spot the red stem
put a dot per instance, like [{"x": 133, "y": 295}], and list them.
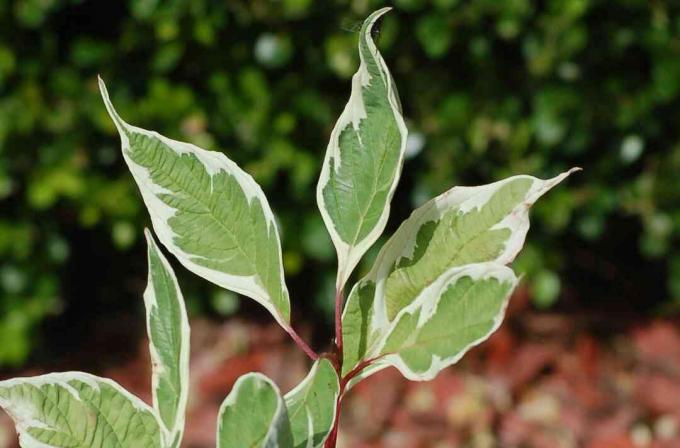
[
  {"x": 333, "y": 435},
  {"x": 339, "y": 302},
  {"x": 302, "y": 344},
  {"x": 332, "y": 439}
]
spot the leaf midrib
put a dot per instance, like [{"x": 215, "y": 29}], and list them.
[
  {"x": 374, "y": 193},
  {"x": 168, "y": 285}
]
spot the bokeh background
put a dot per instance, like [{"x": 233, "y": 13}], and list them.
[{"x": 590, "y": 354}]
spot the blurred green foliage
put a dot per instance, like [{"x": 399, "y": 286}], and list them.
[{"x": 489, "y": 89}]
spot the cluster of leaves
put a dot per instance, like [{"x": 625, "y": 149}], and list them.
[
  {"x": 439, "y": 285},
  {"x": 78, "y": 409},
  {"x": 533, "y": 384},
  {"x": 490, "y": 88}
]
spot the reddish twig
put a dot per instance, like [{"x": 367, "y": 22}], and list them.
[
  {"x": 339, "y": 302},
  {"x": 333, "y": 435},
  {"x": 302, "y": 344}
]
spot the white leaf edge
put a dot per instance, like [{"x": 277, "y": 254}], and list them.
[
  {"x": 466, "y": 197},
  {"x": 348, "y": 255},
  {"x": 428, "y": 302},
  {"x": 214, "y": 162},
  {"x": 23, "y": 422},
  {"x": 157, "y": 368}
]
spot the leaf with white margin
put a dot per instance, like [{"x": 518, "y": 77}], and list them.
[
  {"x": 462, "y": 226},
  {"x": 364, "y": 158},
  {"x": 311, "y": 405},
  {"x": 254, "y": 415},
  {"x": 209, "y": 213},
  {"x": 76, "y": 409},
  {"x": 461, "y": 309},
  {"x": 168, "y": 329}
]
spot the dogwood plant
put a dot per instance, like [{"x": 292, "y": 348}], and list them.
[{"x": 439, "y": 286}]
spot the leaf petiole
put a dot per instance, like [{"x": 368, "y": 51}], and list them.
[{"x": 301, "y": 343}]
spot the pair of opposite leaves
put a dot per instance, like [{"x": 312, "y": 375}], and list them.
[{"x": 439, "y": 285}]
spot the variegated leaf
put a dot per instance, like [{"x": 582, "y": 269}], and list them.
[
  {"x": 463, "y": 226},
  {"x": 456, "y": 312},
  {"x": 311, "y": 405},
  {"x": 75, "y": 409},
  {"x": 254, "y": 415},
  {"x": 209, "y": 213},
  {"x": 363, "y": 159},
  {"x": 168, "y": 328}
]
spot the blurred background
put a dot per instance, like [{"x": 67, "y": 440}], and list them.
[{"x": 590, "y": 353}]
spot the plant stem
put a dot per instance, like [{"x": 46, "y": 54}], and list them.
[
  {"x": 332, "y": 439},
  {"x": 333, "y": 435},
  {"x": 339, "y": 302},
  {"x": 302, "y": 344}
]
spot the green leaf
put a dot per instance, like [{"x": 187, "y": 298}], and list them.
[
  {"x": 462, "y": 227},
  {"x": 363, "y": 159},
  {"x": 76, "y": 409},
  {"x": 209, "y": 213},
  {"x": 168, "y": 328},
  {"x": 254, "y": 415},
  {"x": 458, "y": 311},
  {"x": 358, "y": 330},
  {"x": 311, "y": 405}
]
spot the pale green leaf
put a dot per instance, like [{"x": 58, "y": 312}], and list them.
[
  {"x": 168, "y": 328},
  {"x": 76, "y": 409},
  {"x": 358, "y": 329},
  {"x": 363, "y": 159},
  {"x": 463, "y": 226},
  {"x": 254, "y": 415},
  {"x": 458, "y": 311},
  {"x": 311, "y": 405},
  {"x": 209, "y": 213}
]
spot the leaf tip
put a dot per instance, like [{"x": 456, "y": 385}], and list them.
[
  {"x": 372, "y": 19},
  {"x": 149, "y": 236},
  {"x": 102, "y": 89},
  {"x": 548, "y": 184},
  {"x": 120, "y": 124},
  {"x": 151, "y": 248}
]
